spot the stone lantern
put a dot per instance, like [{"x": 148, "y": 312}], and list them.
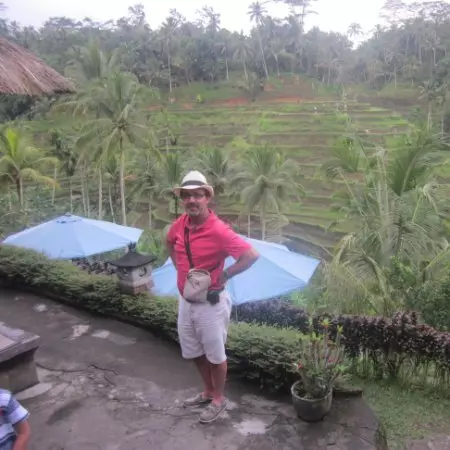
[{"x": 134, "y": 271}]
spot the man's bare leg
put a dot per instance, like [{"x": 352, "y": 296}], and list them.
[
  {"x": 204, "y": 367},
  {"x": 218, "y": 377}
]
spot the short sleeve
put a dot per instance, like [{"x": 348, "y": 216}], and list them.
[
  {"x": 15, "y": 412},
  {"x": 233, "y": 244},
  {"x": 174, "y": 230}
]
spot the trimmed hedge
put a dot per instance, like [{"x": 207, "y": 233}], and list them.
[
  {"x": 258, "y": 352},
  {"x": 263, "y": 345},
  {"x": 389, "y": 345}
]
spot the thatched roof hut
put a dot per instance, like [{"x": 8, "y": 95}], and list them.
[{"x": 21, "y": 72}]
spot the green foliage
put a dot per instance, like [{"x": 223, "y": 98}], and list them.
[
  {"x": 322, "y": 360},
  {"x": 398, "y": 348},
  {"x": 398, "y": 209},
  {"x": 261, "y": 353}
]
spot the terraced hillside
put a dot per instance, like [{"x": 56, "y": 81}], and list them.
[
  {"x": 297, "y": 116},
  {"x": 305, "y": 129}
]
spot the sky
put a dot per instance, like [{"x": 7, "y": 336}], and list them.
[{"x": 335, "y": 15}]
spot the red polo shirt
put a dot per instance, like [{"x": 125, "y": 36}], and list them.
[{"x": 211, "y": 243}]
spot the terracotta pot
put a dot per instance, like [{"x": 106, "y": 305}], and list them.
[{"x": 311, "y": 410}]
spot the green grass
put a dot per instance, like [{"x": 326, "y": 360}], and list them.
[{"x": 406, "y": 414}]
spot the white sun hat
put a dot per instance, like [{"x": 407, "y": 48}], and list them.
[{"x": 194, "y": 180}]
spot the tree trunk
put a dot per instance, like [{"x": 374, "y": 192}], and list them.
[
  {"x": 55, "y": 173},
  {"x": 150, "y": 214},
  {"x": 100, "y": 195},
  {"x": 169, "y": 67},
  {"x": 262, "y": 54},
  {"x": 249, "y": 224},
  {"x": 278, "y": 66},
  {"x": 263, "y": 225},
  {"x": 111, "y": 206},
  {"x": 71, "y": 195},
  {"x": 88, "y": 200},
  {"x": 9, "y": 199},
  {"x": 19, "y": 185},
  {"x": 245, "y": 70},
  {"x": 429, "y": 116},
  {"x": 175, "y": 204},
  {"x": 226, "y": 67},
  {"x": 86, "y": 189},
  {"x": 122, "y": 182},
  {"x": 83, "y": 194}
]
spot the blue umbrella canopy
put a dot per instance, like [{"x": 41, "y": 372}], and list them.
[
  {"x": 277, "y": 272},
  {"x": 70, "y": 236}
]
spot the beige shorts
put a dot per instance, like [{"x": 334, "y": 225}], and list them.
[{"x": 203, "y": 328}]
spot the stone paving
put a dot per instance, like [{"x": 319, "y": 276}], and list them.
[{"x": 105, "y": 385}]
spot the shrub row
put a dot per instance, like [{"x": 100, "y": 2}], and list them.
[
  {"x": 261, "y": 353},
  {"x": 263, "y": 345},
  {"x": 390, "y": 345}
]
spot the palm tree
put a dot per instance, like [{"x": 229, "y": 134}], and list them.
[
  {"x": 268, "y": 182},
  {"x": 354, "y": 30},
  {"x": 396, "y": 216},
  {"x": 243, "y": 52},
  {"x": 257, "y": 12},
  {"x": 145, "y": 182},
  {"x": 169, "y": 172},
  {"x": 216, "y": 165},
  {"x": 90, "y": 63},
  {"x": 168, "y": 30},
  {"x": 20, "y": 162},
  {"x": 121, "y": 123}
]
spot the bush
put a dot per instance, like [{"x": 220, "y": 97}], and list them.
[
  {"x": 387, "y": 347},
  {"x": 264, "y": 344},
  {"x": 259, "y": 352}
]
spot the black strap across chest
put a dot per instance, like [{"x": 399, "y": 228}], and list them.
[{"x": 189, "y": 252}]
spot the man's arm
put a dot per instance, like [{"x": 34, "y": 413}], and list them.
[
  {"x": 170, "y": 244},
  {"x": 171, "y": 250},
  {"x": 23, "y": 433},
  {"x": 17, "y": 415},
  {"x": 244, "y": 262},
  {"x": 236, "y": 247}
]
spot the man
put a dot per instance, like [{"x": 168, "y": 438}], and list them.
[
  {"x": 14, "y": 427},
  {"x": 199, "y": 241}
]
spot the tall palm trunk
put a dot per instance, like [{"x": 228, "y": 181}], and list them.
[
  {"x": 169, "y": 66},
  {"x": 111, "y": 206},
  {"x": 83, "y": 194},
  {"x": 150, "y": 214},
  {"x": 245, "y": 69},
  {"x": 122, "y": 182},
  {"x": 19, "y": 186},
  {"x": 100, "y": 194},
  {"x": 71, "y": 195},
  {"x": 262, "y": 54},
  {"x": 263, "y": 224},
  {"x": 226, "y": 67},
  {"x": 9, "y": 199},
  {"x": 249, "y": 224},
  {"x": 175, "y": 203},
  {"x": 55, "y": 173}
]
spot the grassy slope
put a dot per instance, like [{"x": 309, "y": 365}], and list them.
[{"x": 297, "y": 116}]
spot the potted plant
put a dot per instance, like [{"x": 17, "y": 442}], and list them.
[{"x": 321, "y": 363}]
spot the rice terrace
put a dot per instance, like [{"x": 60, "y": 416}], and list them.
[{"x": 331, "y": 145}]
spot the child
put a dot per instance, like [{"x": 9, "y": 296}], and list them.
[{"x": 14, "y": 427}]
